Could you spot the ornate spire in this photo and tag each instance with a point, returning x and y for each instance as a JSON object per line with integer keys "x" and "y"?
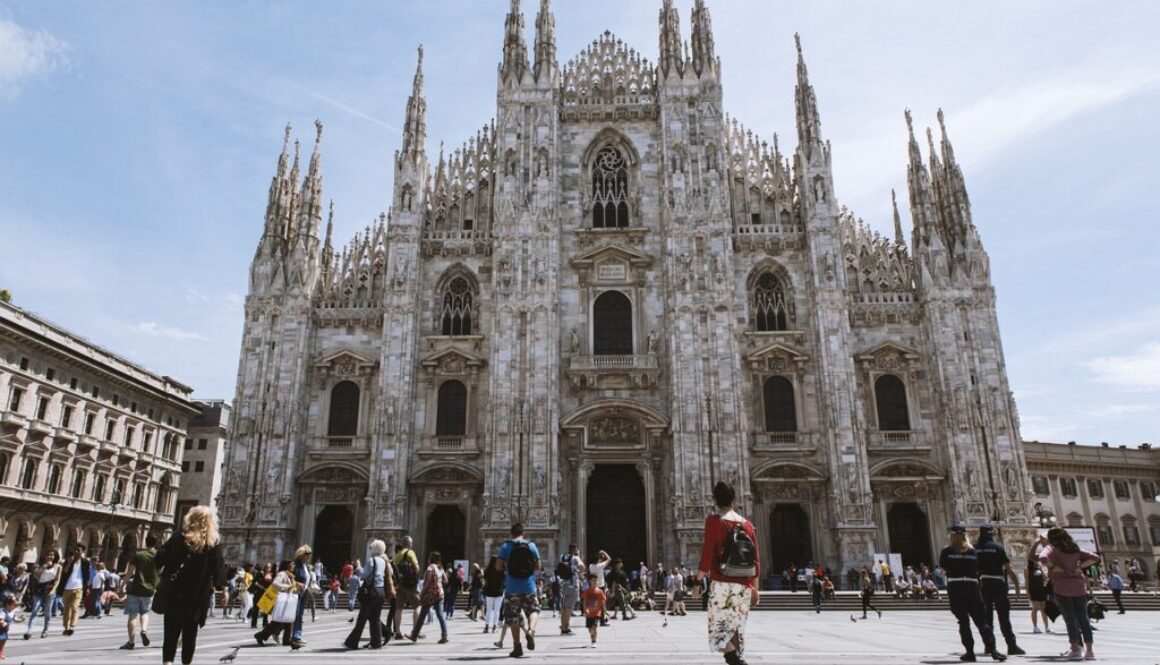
{"x": 310, "y": 212}
{"x": 546, "y": 65}
{"x": 955, "y": 183}
{"x": 278, "y": 185}
{"x": 808, "y": 122}
{"x": 415, "y": 126}
{"x": 899, "y": 239}
{"x": 515, "y": 49}
{"x": 670, "y": 21}
{"x": 918, "y": 182}
{"x": 704, "y": 51}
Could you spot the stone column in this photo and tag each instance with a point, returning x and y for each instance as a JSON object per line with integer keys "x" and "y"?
{"x": 583, "y": 470}
{"x": 650, "y": 502}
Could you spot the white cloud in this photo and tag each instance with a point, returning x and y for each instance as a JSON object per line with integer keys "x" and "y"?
{"x": 26, "y": 55}
{"x": 1120, "y": 410}
{"x": 1050, "y": 428}
{"x": 1135, "y": 371}
{"x": 176, "y": 334}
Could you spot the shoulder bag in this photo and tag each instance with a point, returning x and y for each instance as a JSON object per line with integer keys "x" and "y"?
{"x": 165, "y": 585}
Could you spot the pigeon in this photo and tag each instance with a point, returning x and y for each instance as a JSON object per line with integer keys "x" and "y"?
{"x": 853, "y": 619}
{"x": 229, "y": 657}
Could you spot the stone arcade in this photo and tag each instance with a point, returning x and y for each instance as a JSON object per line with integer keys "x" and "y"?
{"x": 609, "y": 297}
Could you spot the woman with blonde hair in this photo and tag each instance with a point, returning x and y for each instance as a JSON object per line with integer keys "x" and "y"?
{"x": 301, "y": 585}
{"x": 191, "y": 564}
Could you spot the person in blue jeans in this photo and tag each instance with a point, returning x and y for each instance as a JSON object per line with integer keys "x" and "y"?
{"x": 301, "y": 580}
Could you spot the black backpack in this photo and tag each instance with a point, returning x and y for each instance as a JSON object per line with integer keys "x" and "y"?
{"x": 521, "y": 560}
{"x": 739, "y": 554}
{"x": 408, "y": 573}
{"x": 564, "y": 569}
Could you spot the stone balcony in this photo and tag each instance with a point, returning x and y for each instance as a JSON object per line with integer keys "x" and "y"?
{"x": 451, "y": 446}
{"x": 878, "y": 441}
{"x": 781, "y": 441}
{"x": 768, "y": 237}
{"x": 339, "y": 447}
{"x": 456, "y": 243}
{"x": 614, "y": 371}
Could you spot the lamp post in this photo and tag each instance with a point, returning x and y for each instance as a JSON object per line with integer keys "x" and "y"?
{"x": 1044, "y": 516}
{"x": 114, "y": 504}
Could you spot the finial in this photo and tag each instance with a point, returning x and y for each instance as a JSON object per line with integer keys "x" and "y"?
{"x": 909, "y": 122}
{"x": 942, "y": 121}
{"x": 317, "y": 131}
{"x": 930, "y": 139}
{"x": 420, "y": 55}
{"x": 286, "y": 137}
{"x": 296, "y": 146}
{"x": 797, "y": 41}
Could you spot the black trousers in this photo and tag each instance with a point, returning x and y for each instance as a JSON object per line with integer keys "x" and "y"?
{"x": 1116, "y": 593}
{"x": 967, "y": 606}
{"x": 180, "y": 623}
{"x": 995, "y": 600}
{"x": 371, "y": 612}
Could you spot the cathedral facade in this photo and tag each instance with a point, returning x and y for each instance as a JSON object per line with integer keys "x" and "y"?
{"x": 607, "y": 299}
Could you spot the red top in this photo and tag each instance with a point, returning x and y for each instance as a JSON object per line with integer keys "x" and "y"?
{"x": 716, "y": 530}
{"x": 347, "y": 571}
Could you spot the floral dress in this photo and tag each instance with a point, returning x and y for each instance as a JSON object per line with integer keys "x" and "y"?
{"x": 728, "y": 612}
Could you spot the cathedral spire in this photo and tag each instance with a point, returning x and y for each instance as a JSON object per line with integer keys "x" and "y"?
{"x": 955, "y": 183}
{"x": 515, "y": 49}
{"x": 277, "y": 186}
{"x": 415, "y": 126}
{"x": 546, "y": 65}
{"x": 670, "y": 20}
{"x": 808, "y": 122}
{"x": 899, "y": 238}
{"x": 312, "y": 187}
{"x": 918, "y": 182}
{"x": 704, "y": 51}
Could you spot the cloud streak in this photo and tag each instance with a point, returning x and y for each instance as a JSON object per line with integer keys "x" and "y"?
{"x": 1134, "y": 371}
{"x": 154, "y": 329}
{"x": 350, "y": 109}
{"x": 27, "y": 55}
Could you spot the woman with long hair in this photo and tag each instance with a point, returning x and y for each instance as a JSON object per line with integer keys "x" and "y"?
{"x": 302, "y": 577}
{"x": 43, "y": 589}
{"x": 475, "y": 593}
{"x": 192, "y": 559}
{"x": 1065, "y": 562}
{"x": 868, "y": 585}
{"x": 284, "y": 583}
{"x": 492, "y": 594}
{"x": 734, "y": 572}
{"x": 961, "y": 563}
{"x": 431, "y": 597}
{"x": 378, "y": 576}
{"x": 262, "y": 581}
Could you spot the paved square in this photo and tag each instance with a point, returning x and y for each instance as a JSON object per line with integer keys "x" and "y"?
{"x": 927, "y": 637}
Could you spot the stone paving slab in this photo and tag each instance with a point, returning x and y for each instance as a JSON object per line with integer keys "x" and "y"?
{"x": 929, "y": 638}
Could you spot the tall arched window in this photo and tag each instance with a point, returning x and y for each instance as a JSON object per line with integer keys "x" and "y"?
{"x": 769, "y": 306}
{"x": 4, "y": 458}
{"x": 612, "y": 325}
{"x": 609, "y": 189}
{"x": 344, "y": 399}
{"x": 890, "y": 396}
{"x": 28, "y": 477}
{"x": 780, "y": 410}
{"x": 451, "y": 412}
{"x": 457, "y": 304}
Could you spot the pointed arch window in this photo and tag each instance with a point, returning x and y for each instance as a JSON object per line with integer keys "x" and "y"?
{"x": 344, "y": 399}
{"x": 770, "y": 311}
{"x": 609, "y": 189}
{"x": 456, "y": 311}
{"x": 890, "y": 396}
{"x": 780, "y": 406}
{"x": 612, "y": 325}
{"x": 451, "y": 412}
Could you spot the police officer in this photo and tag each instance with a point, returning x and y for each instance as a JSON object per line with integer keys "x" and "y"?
{"x": 960, "y": 562}
{"x": 994, "y": 571}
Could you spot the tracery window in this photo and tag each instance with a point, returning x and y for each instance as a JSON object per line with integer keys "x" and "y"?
{"x": 780, "y": 409}
{"x": 457, "y": 305}
{"x": 609, "y": 189}
{"x": 612, "y": 325}
{"x": 770, "y": 311}
{"x": 344, "y": 398}
{"x": 451, "y": 411}
{"x": 893, "y": 412}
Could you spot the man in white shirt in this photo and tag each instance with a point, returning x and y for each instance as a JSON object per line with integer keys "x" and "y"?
{"x": 96, "y": 588}
{"x": 76, "y": 573}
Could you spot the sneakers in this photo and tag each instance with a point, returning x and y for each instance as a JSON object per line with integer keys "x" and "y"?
{"x": 1089, "y": 656}
{"x": 1036, "y": 630}
{"x": 593, "y": 644}
{"x": 144, "y": 639}
{"x": 531, "y": 640}
{"x": 498, "y": 645}
{"x": 128, "y": 646}
{"x": 1075, "y": 654}
{"x": 517, "y": 652}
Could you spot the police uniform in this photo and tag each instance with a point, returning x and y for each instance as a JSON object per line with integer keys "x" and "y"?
{"x": 966, "y": 601}
{"x": 993, "y": 564}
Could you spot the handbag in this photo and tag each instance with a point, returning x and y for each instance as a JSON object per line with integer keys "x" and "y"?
{"x": 366, "y": 587}
{"x": 266, "y": 602}
{"x": 164, "y": 593}
{"x": 285, "y": 608}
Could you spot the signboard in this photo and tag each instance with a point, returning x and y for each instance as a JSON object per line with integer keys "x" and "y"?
{"x": 1084, "y": 536}
{"x": 893, "y": 559}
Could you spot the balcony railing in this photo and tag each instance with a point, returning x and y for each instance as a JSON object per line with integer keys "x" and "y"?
{"x": 339, "y": 442}
{"x": 614, "y": 362}
{"x": 786, "y": 440}
{"x": 896, "y": 439}
{"x": 449, "y": 442}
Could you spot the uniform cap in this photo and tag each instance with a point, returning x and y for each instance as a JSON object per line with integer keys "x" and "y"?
{"x": 986, "y": 528}
{"x": 958, "y": 528}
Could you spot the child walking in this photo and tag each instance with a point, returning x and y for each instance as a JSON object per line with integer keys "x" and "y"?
{"x": 593, "y": 607}
{"x": 7, "y": 618}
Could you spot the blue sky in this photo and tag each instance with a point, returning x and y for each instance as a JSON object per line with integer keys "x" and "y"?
{"x": 138, "y": 139}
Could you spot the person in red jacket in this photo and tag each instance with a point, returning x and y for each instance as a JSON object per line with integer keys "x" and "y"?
{"x": 734, "y": 587}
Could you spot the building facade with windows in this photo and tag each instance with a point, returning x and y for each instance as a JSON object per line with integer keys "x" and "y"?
{"x": 203, "y": 460}
{"x": 1112, "y": 490}
{"x": 608, "y": 298}
{"x": 90, "y": 443}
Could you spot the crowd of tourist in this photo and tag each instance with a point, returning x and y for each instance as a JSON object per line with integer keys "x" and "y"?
{"x": 186, "y": 580}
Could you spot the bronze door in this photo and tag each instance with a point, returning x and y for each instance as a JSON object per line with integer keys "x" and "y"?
{"x": 447, "y": 534}
{"x": 334, "y": 537}
{"x": 789, "y": 537}
{"x": 616, "y": 514}
{"x": 909, "y": 534}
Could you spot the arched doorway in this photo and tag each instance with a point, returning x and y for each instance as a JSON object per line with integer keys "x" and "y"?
{"x": 447, "y": 533}
{"x": 334, "y": 536}
{"x": 789, "y": 537}
{"x": 909, "y": 534}
{"x": 615, "y": 512}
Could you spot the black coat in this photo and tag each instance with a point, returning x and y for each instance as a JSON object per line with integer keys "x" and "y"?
{"x": 66, "y": 572}
{"x": 198, "y": 577}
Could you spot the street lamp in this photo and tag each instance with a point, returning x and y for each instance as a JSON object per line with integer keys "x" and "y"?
{"x": 114, "y": 504}
{"x": 1044, "y": 516}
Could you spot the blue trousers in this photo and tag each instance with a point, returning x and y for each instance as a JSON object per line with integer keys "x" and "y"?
{"x": 296, "y": 631}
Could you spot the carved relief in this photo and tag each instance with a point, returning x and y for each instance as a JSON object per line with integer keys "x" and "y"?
{"x": 614, "y": 430}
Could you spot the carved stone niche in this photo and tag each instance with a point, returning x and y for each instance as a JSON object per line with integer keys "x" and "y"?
{"x": 889, "y": 357}
{"x": 614, "y": 431}
{"x": 344, "y": 365}
{"x": 611, "y": 264}
{"x": 777, "y": 358}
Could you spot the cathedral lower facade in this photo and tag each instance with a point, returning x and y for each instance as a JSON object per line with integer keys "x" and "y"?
{"x": 609, "y": 298}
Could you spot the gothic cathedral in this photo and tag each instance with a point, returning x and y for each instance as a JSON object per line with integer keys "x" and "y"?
{"x": 609, "y": 298}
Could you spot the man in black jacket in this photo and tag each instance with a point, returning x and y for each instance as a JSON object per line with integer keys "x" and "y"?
{"x": 71, "y": 588}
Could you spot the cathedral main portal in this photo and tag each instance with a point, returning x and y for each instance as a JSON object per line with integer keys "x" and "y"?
{"x": 615, "y": 512}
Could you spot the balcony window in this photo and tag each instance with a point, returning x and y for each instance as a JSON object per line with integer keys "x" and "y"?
{"x": 451, "y": 411}
{"x": 1041, "y": 486}
{"x": 612, "y": 325}
{"x": 780, "y": 406}
{"x": 1067, "y": 487}
{"x": 1095, "y": 488}
{"x": 890, "y": 398}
